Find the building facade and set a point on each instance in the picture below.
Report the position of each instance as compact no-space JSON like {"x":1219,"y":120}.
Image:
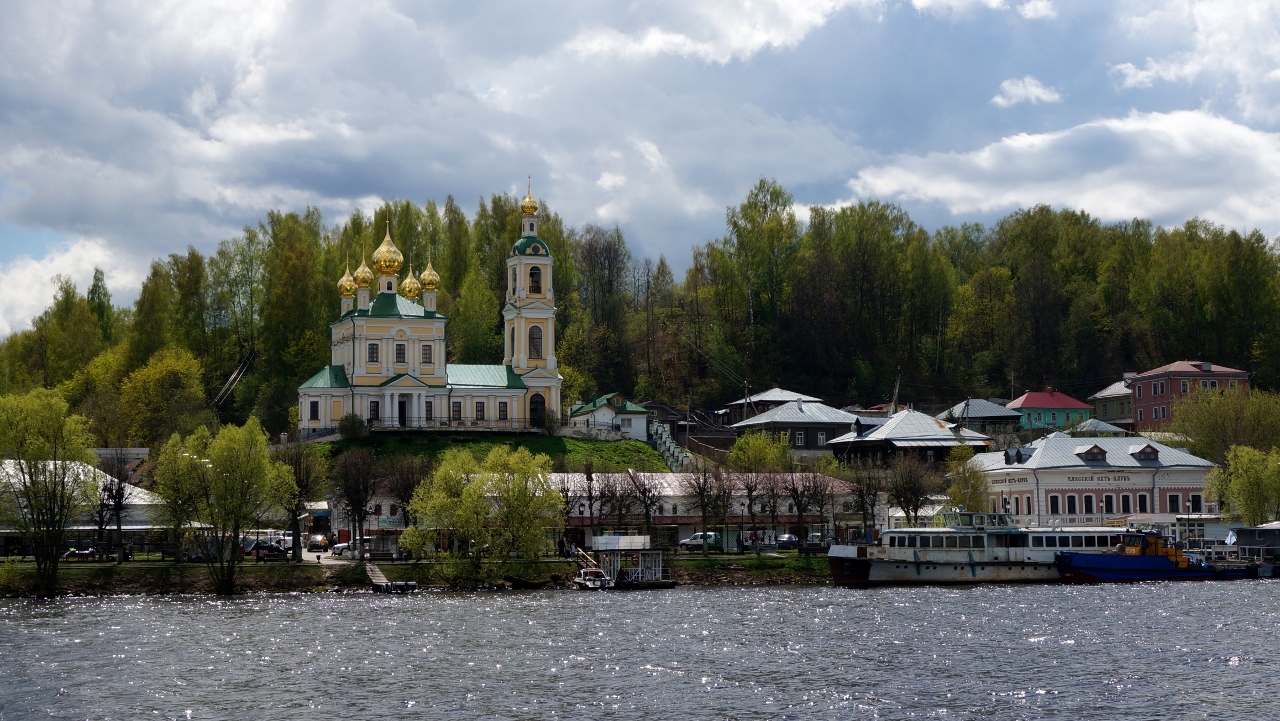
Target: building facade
{"x":1050,"y":409}
{"x":1113,"y":403}
{"x":1152,"y":393}
{"x":388,"y":350}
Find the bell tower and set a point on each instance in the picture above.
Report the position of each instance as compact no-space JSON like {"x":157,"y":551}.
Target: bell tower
{"x":530,"y":309}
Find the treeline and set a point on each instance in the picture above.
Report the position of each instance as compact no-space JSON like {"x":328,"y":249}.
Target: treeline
{"x":844,"y":306}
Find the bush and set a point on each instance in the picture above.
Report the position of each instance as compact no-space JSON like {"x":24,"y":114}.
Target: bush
{"x":352,"y":426}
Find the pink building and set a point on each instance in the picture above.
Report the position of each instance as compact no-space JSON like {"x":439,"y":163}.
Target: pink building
{"x":1152,"y":393}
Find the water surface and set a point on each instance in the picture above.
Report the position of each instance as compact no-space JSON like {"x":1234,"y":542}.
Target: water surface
{"x":1146,"y":651}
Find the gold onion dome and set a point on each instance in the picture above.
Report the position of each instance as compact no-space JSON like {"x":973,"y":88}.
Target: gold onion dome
{"x":387,"y":259}
{"x":430,"y":278}
{"x":410,"y":288}
{"x":347,"y":284}
{"x":529,"y":206}
{"x":363,"y":276}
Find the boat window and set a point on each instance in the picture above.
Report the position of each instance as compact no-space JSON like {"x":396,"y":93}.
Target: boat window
{"x":951,"y":542}
{"x":1115,"y":541}
{"x":1051,"y":541}
{"x":1133,"y":541}
{"x":924,"y":541}
{"x":978,"y":542}
{"x":1037,"y":542}
{"x":966,"y":520}
{"x":1090,"y":542}
{"x":1017,"y":540}
{"x":893,"y":541}
{"x":1103,"y":541}
{"x":911,"y":541}
{"x":1077,"y":541}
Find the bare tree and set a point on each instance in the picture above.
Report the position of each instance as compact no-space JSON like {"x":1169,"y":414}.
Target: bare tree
{"x":865,"y":485}
{"x":820,"y":492}
{"x":771,"y":494}
{"x":402,"y":474}
{"x":355,"y":476}
{"x":910,"y":484}
{"x":617,"y":497}
{"x":114,"y":493}
{"x":700,"y":485}
{"x":795,"y":489}
{"x":310,"y":474}
{"x":648,"y":495}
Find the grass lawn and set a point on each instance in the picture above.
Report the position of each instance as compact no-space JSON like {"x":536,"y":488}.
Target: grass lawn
{"x":565,"y":453}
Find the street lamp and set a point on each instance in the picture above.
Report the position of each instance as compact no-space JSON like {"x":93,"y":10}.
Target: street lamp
{"x":742,"y":509}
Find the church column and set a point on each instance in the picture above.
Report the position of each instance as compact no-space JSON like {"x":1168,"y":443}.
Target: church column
{"x":549,"y":352}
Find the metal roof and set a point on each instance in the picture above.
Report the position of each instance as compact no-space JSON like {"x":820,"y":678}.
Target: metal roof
{"x":979,"y":409}
{"x":910,"y":427}
{"x":1060,"y":451}
{"x":1046,"y":399}
{"x":775,"y":395}
{"x":328,"y":377}
{"x":797,"y":412}
{"x":1115,"y":390}
{"x":1093,"y":425}
{"x":1188,"y":366}
{"x":483,"y":376}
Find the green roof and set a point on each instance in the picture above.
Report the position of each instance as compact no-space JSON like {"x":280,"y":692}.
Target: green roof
{"x":498,"y":376}
{"x":397,"y":377}
{"x":626,"y":407}
{"x":328,"y":377}
{"x":524,"y":247}
{"x":396,"y":305}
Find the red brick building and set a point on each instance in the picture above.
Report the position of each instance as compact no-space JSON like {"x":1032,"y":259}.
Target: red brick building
{"x":1151,"y":394}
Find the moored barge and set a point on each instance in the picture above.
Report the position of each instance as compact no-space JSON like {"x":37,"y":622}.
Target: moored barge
{"x":1146,"y":556}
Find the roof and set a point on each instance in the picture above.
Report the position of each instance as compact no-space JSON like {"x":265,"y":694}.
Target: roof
{"x":525,"y":246}
{"x":774,"y":395}
{"x":979,"y":409}
{"x":796,"y":412}
{"x":392,"y":305}
{"x":1188,"y":366}
{"x":1093,"y":425}
{"x":1115,"y":390}
{"x":626,"y":407}
{"x":328,"y":377}
{"x":1046,"y":399}
{"x":915,"y":429}
{"x":483,"y":376}
{"x":1058,"y":450}
{"x":134,"y":495}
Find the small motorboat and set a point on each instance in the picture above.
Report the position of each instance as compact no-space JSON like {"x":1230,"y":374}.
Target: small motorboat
{"x":592,"y":579}
{"x":1146,"y":556}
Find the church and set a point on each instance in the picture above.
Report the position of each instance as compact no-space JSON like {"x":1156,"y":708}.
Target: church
{"x":388,"y":357}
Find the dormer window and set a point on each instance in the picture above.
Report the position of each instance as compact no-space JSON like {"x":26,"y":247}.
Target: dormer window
{"x":1146,"y":452}
{"x":1091,"y":453}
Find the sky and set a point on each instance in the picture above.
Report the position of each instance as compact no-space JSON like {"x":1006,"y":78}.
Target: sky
{"x":129,"y":131}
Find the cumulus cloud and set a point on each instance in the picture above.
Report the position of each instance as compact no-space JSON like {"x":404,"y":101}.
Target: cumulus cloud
{"x":26,"y":284}
{"x":1165,"y":166}
{"x":1025,"y":90}
{"x":1038,"y":10}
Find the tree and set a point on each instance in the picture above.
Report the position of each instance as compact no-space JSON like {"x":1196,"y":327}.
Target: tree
{"x":47,"y":484}
{"x":178,"y":473}
{"x":403,"y":474}
{"x":238,"y":486}
{"x":757,"y":457}
{"x":164,"y":396}
{"x":1253,"y":484}
{"x":617,"y":497}
{"x":116,"y":491}
{"x":310,"y":472}
{"x":648,"y":494}
{"x":1215,"y":420}
{"x":525,"y":508}
{"x":910,"y":485}
{"x":454,"y":505}
{"x":968,"y":489}
{"x":150,"y":329}
{"x":355,"y":476}
{"x":472,"y":329}
{"x":99,"y":298}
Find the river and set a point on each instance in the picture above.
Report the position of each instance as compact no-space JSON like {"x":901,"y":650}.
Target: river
{"x":1143,"y":651}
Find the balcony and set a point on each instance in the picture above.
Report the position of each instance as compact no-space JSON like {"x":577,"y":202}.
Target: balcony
{"x":415,"y":423}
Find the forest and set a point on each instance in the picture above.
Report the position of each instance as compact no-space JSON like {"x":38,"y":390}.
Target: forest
{"x":845,"y":305}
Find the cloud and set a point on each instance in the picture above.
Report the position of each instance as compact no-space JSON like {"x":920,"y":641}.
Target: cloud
{"x":1038,"y":10}
{"x":955,"y":7}
{"x":1166,"y":166}
{"x":1024,"y":90}
{"x":26,"y":284}
{"x":1233,"y":42}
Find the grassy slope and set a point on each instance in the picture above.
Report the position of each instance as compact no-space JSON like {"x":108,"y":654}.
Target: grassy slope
{"x":565,"y":453}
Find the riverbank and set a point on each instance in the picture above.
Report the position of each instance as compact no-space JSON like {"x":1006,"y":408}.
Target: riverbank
{"x":104,"y":579}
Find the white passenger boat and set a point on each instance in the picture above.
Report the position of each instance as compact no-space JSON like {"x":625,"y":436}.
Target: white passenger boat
{"x":967,"y":548}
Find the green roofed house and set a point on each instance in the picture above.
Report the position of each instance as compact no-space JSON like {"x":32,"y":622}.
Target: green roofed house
{"x":388,"y":361}
{"x":1050,"y":409}
{"x":612,"y":412}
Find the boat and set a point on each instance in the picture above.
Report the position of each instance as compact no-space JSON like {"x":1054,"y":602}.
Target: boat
{"x":1146,"y":556}
{"x":967,"y":548}
{"x":592,"y":579}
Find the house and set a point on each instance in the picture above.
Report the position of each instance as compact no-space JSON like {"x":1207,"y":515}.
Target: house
{"x":1112,"y":404}
{"x":1096,"y":481}
{"x":1153,"y":392}
{"x":808,"y":424}
{"x":612,"y":411}
{"x":981,"y":415}
{"x":1050,"y":409}
{"x":880,"y":440}
{"x":388,"y":362}
{"x":744,"y":408}
{"x":662,"y":413}
{"x":1095,"y":427}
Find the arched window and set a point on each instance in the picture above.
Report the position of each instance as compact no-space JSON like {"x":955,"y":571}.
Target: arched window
{"x":513,"y":281}
{"x":513,"y":342}
{"x":535,"y":279}
{"x":535,"y":341}
{"x":388,"y":285}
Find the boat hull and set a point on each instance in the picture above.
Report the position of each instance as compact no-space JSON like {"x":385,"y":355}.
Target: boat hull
{"x":1106,"y":568}
{"x":871,"y":572}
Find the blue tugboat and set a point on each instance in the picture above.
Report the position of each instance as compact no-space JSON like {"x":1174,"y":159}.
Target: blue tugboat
{"x":1145,"y":556}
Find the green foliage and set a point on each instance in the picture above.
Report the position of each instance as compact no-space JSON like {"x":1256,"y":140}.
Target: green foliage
{"x":473,"y":332}
{"x":969,"y":488}
{"x":1253,"y":484}
{"x":1215,"y":421}
{"x":352,"y":426}
{"x":163,"y":396}
{"x":761,"y":452}
{"x":565,"y":453}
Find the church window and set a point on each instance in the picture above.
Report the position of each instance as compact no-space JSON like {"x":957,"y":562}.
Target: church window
{"x":400,"y":353}
{"x":388,"y":285}
{"x":502,"y":410}
{"x":315,"y":410}
{"x":427,"y":411}
{"x":373,"y":410}
{"x":513,"y":281}
{"x":373,"y":352}
{"x":535,"y":279}
{"x":513,"y":341}
{"x":457,"y":410}
{"x":479,"y":410}
{"x":426,"y":354}
{"x":535,"y":341}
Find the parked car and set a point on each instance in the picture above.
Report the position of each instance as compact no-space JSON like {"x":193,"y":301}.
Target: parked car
{"x":83,"y":554}
{"x":694,"y":542}
{"x":317,"y":542}
{"x":787,"y":541}
{"x":342,"y":548}
{"x":815,"y":539}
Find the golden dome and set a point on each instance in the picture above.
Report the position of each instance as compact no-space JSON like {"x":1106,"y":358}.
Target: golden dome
{"x":529,"y":206}
{"x":430,"y":278}
{"x":387,"y":259}
{"x":363,"y":276}
{"x":410,"y":287}
{"x":347,"y":284}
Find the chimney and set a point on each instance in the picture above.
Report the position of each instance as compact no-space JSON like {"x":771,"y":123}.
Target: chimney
{"x":1129,"y":374}
{"x":800,"y":404}
{"x":1048,"y":389}
{"x":1206,"y":367}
